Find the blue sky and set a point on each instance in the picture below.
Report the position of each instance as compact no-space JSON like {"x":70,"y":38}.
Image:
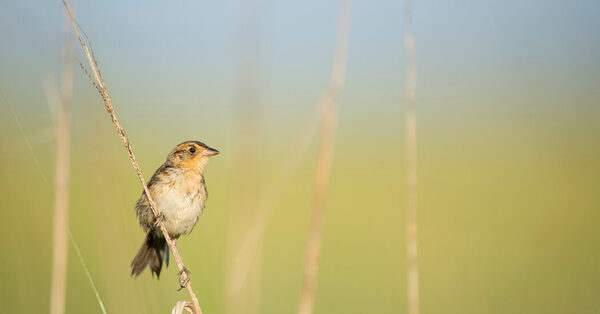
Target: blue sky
{"x":159,"y":54}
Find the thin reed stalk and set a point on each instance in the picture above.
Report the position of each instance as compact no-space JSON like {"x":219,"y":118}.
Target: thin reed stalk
{"x":324,"y":160}
{"x":61,"y":190}
{"x":98,"y":82}
{"x":244,"y":297}
{"x":411,"y":165}
{"x":252,"y":239}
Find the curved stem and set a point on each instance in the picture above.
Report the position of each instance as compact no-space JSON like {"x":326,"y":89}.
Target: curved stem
{"x":101,"y":86}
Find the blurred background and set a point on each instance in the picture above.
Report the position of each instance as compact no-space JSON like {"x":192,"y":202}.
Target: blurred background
{"x":508,"y":122}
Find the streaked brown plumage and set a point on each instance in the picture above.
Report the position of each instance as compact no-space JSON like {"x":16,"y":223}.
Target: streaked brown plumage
{"x":178,"y":189}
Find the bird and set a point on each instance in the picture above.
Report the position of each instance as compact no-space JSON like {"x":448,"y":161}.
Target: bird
{"x":179,"y":191}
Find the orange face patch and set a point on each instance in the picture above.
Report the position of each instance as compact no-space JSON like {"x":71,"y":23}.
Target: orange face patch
{"x":189,"y":155}
{"x":192,"y":161}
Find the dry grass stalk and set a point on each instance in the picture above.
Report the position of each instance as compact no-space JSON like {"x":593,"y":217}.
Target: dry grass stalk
{"x":411,"y":165}
{"x":245,"y":298}
{"x":61,"y":191}
{"x":183,"y":305}
{"x":338,"y":73}
{"x":100,"y":85}
{"x":250,"y":246}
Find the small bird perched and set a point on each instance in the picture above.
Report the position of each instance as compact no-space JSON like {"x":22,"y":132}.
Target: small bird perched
{"x":178,"y":189}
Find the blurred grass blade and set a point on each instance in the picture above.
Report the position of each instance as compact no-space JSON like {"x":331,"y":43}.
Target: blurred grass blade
{"x":27,"y":142}
{"x":87,"y":271}
{"x":36,"y":160}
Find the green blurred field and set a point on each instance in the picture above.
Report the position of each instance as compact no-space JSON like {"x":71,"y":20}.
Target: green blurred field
{"x":507,"y":220}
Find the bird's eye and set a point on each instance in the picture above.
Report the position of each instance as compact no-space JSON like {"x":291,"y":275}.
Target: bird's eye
{"x":192,"y":150}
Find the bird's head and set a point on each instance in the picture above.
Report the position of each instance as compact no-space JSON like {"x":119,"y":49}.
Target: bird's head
{"x":191,"y":155}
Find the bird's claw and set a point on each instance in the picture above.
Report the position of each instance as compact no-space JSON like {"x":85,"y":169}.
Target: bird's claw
{"x":158,"y":220}
{"x":184,"y":278}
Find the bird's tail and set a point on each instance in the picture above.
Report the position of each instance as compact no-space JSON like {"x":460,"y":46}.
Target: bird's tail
{"x":152,"y":253}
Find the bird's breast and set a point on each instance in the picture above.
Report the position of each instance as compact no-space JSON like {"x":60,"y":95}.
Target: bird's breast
{"x":181,"y":202}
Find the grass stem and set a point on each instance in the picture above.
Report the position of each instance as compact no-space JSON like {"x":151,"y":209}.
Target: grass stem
{"x":324,"y":160}
{"x":62,"y":170}
{"x":411,"y":165}
{"x":100,"y":85}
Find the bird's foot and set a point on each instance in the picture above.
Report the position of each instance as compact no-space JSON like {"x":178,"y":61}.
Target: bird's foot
{"x":184,"y":277}
{"x":159,"y":219}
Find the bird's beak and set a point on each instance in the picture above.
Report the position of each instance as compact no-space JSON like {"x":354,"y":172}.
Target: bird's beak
{"x":210,"y":152}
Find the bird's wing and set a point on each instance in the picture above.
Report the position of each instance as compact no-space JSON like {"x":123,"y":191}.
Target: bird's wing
{"x":162,"y":171}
